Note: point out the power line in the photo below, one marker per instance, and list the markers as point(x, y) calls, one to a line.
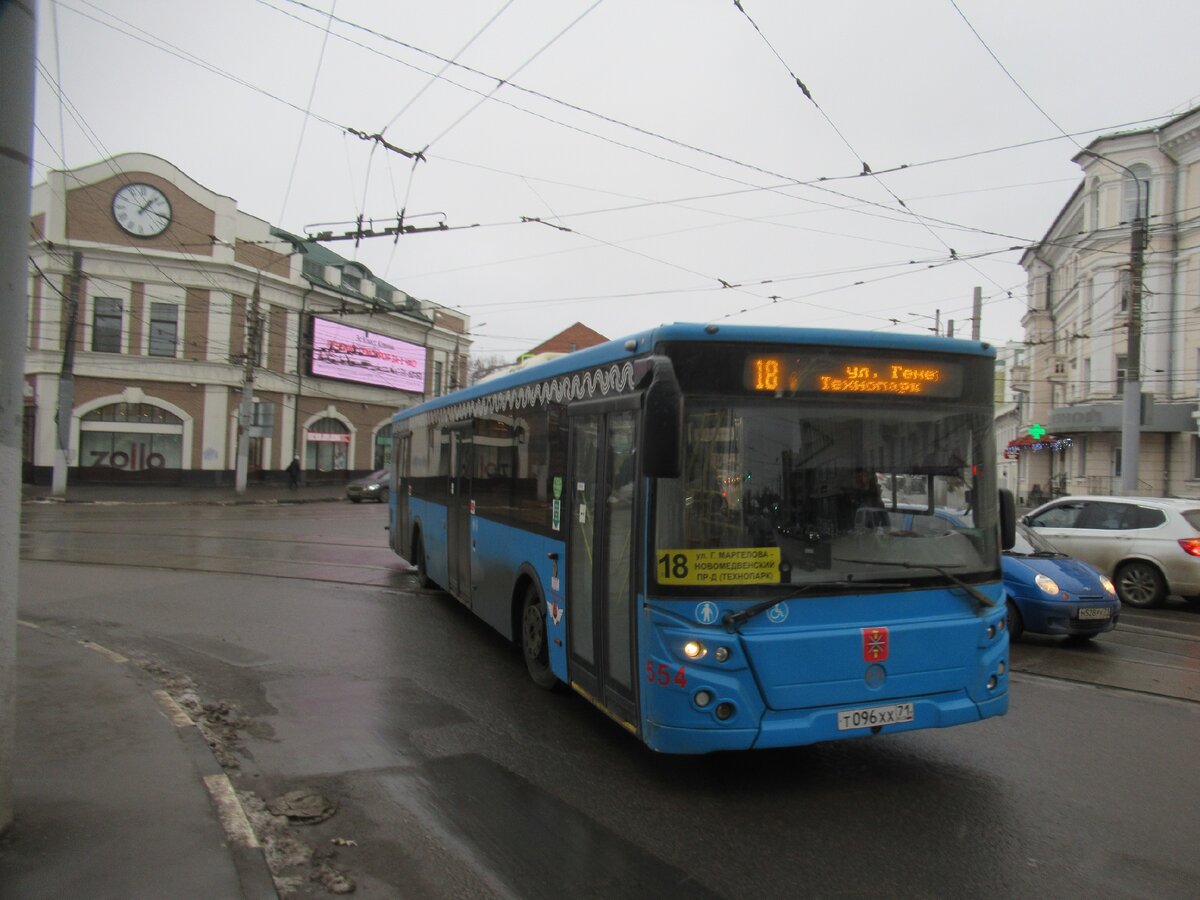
point(312, 92)
point(1009, 75)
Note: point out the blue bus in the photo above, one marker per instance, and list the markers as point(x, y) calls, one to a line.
point(690, 527)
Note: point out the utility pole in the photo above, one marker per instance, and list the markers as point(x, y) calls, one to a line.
point(66, 382)
point(246, 410)
point(1131, 414)
point(17, 26)
point(977, 314)
point(1131, 411)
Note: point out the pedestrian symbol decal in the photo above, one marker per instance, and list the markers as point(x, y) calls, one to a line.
point(707, 612)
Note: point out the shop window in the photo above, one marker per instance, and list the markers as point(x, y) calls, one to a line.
point(328, 445)
point(106, 325)
point(383, 450)
point(144, 413)
point(130, 451)
point(164, 328)
point(156, 444)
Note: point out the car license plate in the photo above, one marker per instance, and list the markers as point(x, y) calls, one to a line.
point(1094, 612)
point(874, 716)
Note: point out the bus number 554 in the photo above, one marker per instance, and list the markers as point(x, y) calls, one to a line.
point(661, 674)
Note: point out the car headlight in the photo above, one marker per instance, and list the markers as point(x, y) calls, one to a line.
point(1108, 586)
point(1046, 583)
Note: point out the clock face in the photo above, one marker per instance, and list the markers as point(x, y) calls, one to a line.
point(141, 210)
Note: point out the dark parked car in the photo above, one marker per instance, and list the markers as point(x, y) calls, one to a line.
point(372, 487)
point(1052, 593)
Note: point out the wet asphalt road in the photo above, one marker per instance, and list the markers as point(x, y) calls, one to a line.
point(455, 777)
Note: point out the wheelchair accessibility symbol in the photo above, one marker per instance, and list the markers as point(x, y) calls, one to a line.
point(778, 613)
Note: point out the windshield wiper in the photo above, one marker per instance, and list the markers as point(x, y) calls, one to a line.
point(979, 596)
point(732, 620)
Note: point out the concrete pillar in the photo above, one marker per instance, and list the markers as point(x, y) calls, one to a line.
point(17, 22)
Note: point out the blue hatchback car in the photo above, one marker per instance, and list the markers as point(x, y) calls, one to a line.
point(1052, 593)
point(1048, 592)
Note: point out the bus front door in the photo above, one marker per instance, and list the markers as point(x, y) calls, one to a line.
point(458, 516)
point(600, 554)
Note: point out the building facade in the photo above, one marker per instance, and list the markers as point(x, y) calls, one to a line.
point(1081, 308)
point(181, 325)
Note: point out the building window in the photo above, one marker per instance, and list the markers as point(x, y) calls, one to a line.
point(1123, 290)
point(383, 293)
point(1134, 190)
point(164, 328)
point(351, 282)
point(1122, 362)
point(437, 379)
point(1081, 447)
point(1094, 204)
point(1086, 300)
point(106, 325)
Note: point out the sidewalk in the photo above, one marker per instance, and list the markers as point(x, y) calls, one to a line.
point(152, 493)
point(111, 797)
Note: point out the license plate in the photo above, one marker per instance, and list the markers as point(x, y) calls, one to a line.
point(874, 716)
point(1094, 612)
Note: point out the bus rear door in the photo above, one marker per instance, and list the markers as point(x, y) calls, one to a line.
point(459, 514)
point(600, 555)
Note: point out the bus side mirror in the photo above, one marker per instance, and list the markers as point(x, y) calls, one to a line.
point(1008, 519)
point(662, 423)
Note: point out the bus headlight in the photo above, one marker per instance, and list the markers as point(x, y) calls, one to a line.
point(694, 650)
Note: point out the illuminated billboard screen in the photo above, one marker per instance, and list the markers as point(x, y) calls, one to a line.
point(353, 354)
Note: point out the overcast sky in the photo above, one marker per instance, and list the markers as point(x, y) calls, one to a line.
point(679, 171)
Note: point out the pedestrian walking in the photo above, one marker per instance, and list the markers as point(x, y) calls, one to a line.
point(293, 471)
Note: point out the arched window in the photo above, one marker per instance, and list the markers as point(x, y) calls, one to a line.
point(132, 437)
point(328, 446)
point(1133, 191)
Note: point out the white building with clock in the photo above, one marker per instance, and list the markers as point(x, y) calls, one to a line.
point(184, 300)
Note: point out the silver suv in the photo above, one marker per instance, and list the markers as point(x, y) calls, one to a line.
point(1149, 546)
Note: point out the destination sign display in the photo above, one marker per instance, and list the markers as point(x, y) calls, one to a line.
point(851, 373)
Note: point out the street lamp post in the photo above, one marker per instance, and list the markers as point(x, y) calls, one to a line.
point(1131, 413)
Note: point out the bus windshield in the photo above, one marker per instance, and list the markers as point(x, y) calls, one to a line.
point(776, 492)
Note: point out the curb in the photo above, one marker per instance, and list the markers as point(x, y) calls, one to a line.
point(254, 875)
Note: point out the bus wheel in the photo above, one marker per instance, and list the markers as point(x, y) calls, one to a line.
point(423, 579)
point(534, 645)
